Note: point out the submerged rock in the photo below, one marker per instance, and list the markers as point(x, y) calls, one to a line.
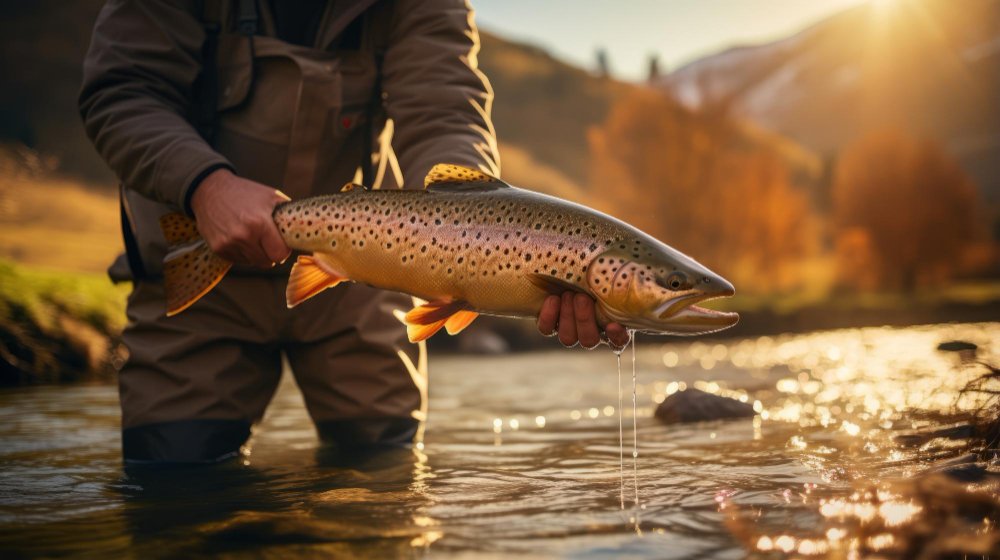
point(694, 405)
point(957, 346)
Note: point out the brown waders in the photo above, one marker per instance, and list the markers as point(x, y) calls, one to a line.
point(292, 117)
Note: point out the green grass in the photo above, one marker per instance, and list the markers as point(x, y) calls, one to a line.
point(38, 295)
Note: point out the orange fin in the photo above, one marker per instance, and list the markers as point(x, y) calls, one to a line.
point(425, 320)
point(309, 277)
point(178, 229)
point(451, 173)
point(461, 319)
point(189, 273)
point(419, 333)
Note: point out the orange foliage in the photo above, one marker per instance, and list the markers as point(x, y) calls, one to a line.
point(692, 181)
point(914, 205)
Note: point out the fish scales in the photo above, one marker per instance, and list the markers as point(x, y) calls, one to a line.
point(469, 244)
point(477, 247)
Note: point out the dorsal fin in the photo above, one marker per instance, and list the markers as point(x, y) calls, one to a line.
point(351, 186)
point(443, 173)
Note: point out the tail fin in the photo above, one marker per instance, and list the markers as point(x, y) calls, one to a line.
point(190, 269)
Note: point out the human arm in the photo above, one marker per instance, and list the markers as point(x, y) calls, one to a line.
point(441, 105)
point(136, 103)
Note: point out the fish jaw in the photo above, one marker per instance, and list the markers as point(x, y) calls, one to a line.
point(692, 319)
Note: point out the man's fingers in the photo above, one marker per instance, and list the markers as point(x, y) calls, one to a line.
point(273, 245)
point(567, 321)
point(617, 335)
point(548, 317)
point(586, 324)
point(256, 256)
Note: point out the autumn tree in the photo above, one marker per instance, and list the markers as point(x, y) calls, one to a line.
point(694, 182)
point(903, 212)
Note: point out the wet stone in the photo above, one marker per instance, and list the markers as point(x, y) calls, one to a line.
point(957, 346)
point(694, 405)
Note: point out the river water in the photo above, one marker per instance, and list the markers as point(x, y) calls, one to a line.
point(521, 457)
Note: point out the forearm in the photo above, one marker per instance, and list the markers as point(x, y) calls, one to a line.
point(136, 97)
point(435, 93)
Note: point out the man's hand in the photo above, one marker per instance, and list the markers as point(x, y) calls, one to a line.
point(572, 316)
point(234, 217)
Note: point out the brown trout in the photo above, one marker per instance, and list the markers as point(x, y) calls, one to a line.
point(469, 244)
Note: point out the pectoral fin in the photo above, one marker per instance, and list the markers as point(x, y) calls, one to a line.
point(309, 277)
point(552, 285)
point(423, 321)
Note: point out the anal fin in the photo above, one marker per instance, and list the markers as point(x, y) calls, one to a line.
point(309, 277)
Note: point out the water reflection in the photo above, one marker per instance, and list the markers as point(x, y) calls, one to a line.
point(521, 456)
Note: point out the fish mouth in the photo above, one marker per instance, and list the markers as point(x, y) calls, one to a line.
point(683, 314)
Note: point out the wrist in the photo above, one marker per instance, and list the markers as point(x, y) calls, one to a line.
point(202, 190)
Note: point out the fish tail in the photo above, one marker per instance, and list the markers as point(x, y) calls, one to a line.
point(190, 269)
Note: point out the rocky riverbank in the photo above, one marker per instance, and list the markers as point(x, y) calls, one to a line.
point(57, 326)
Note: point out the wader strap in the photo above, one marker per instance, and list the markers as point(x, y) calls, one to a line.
point(379, 23)
point(374, 103)
point(131, 245)
point(207, 94)
point(247, 18)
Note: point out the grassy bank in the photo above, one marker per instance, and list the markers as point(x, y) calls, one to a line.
point(57, 326)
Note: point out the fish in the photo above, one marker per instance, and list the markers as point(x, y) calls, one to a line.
point(469, 244)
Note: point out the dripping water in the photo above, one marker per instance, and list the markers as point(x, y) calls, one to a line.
point(635, 425)
point(621, 438)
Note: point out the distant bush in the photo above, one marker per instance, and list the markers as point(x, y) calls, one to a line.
point(904, 214)
point(695, 182)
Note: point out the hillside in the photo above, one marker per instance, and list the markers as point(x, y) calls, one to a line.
point(542, 111)
point(930, 67)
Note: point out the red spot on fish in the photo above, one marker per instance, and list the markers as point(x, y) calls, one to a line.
point(346, 121)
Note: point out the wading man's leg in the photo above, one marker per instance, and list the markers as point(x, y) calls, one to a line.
point(195, 383)
point(359, 375)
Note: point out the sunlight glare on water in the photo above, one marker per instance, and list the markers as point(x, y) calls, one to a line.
point(519, 459)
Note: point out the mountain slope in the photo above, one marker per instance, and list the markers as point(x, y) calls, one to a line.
point(930, 67)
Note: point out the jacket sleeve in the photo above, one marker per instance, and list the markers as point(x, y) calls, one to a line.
point(136, 96)
point(438, 99)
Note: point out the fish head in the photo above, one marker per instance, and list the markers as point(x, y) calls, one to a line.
point(657, 291)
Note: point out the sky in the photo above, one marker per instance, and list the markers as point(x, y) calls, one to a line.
point(678, 31)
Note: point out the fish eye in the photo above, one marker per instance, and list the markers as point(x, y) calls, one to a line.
point(676, 281)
